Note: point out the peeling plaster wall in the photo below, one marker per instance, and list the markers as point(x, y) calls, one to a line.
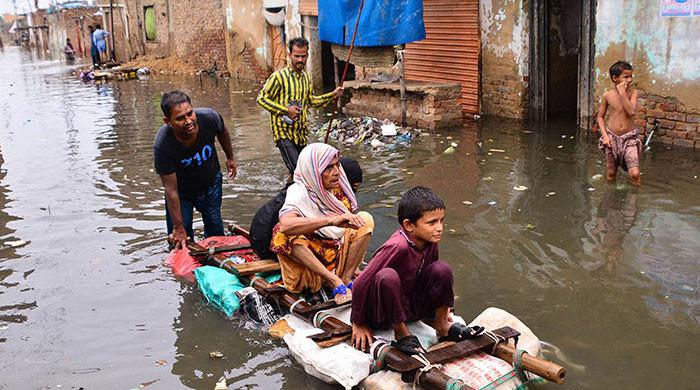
point(248, 46)
point(505, 57)
point(664, 51)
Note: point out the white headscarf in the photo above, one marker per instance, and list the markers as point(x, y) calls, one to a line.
point(309, 198)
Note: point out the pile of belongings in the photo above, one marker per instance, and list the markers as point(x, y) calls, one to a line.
point(368, 130)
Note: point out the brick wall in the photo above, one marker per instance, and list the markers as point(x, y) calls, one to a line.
point(428, 106)
point(677, 125)
point(137, 36)
point(199, 28)
point(503, 91)
point(504, 57)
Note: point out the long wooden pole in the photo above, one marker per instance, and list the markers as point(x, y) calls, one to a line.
point(546, 369)
point(347, 64)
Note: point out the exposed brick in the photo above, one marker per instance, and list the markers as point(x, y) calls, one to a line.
point(640, 122)
point(686, 126)
point(678, 134)
point(656, 114)
point(684, 142)
point(667, 124)
point(666, 140)
point(676, 116)
point(693, 118)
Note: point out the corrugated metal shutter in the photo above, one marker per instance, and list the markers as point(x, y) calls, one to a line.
point(308, 7)
point(450, 52)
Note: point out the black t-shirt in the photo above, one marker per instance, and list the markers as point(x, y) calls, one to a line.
point(196, 167)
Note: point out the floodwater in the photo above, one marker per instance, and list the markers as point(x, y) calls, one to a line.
point(605, 273)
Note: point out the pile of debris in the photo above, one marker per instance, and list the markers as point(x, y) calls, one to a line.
point(368, 130)
point(163, 65)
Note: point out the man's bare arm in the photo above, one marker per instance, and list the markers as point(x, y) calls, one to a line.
point(225, 140)
point(179, 236)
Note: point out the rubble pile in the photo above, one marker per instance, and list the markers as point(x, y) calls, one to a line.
point(368, 130)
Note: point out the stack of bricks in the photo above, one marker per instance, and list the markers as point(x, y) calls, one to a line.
point(428, 105)
point(678, 126)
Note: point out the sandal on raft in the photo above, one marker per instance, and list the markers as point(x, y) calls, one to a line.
point(410, 345)
point(459, 332)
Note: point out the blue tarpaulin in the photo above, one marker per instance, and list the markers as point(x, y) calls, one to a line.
point(383, 22)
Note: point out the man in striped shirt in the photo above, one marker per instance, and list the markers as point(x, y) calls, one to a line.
point(287, 95)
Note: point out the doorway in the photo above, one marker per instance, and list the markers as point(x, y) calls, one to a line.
point(561, 60)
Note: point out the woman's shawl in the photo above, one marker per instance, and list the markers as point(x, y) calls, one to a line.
point(308, 198)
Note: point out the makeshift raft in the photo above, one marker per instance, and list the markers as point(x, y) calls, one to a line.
point(507, 356)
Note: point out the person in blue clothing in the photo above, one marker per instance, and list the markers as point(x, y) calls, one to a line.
point(94, 54)
point(184, 155)
point(99, 37)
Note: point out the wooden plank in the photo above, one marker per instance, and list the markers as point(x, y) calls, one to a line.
point(254, 267)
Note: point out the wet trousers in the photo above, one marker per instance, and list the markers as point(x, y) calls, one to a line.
point(290, 154)
point(208, 204)
point(388, 305)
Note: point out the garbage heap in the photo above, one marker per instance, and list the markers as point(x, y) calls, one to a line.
point(369, 131)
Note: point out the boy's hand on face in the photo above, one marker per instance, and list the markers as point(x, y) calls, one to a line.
point(361, 337)
point(622, 87)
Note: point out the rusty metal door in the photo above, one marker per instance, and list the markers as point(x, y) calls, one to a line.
point(450, 52)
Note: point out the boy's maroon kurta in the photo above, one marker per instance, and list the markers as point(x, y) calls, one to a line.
point(401, 283)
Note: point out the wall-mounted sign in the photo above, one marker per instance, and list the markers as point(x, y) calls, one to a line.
point(678, 7)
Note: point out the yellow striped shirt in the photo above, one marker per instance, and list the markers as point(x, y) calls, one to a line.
point(280, 89)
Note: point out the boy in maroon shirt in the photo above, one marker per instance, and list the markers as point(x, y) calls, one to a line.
point(405, 280)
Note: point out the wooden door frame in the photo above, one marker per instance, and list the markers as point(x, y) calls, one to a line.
point(537, 86)
point(586, 74)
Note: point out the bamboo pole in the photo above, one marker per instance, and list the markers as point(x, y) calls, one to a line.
point(347, 64)
point(546, 369)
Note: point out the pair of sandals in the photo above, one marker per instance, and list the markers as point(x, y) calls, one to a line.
point(410, 345)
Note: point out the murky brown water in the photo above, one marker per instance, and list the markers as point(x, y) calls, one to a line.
point(607, 273)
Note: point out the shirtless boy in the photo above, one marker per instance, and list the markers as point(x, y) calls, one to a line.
point(406, 281)
point(620, 139)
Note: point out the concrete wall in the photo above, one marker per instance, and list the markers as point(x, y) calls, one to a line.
point(504, 57)
point(664, 53)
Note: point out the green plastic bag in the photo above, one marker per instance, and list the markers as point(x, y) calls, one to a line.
point(219, 287)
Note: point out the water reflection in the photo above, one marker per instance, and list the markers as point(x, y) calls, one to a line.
point(615, 217)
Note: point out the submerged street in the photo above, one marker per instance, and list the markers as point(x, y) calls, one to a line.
point(606, 274)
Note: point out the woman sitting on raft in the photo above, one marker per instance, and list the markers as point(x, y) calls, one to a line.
point(319, 239)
